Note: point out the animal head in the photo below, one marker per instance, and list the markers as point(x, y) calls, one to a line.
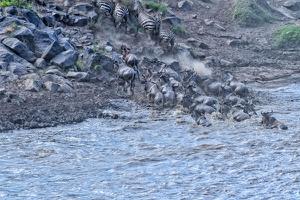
point(125, 50)
point(267, 114)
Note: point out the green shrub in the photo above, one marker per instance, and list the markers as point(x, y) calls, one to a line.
point(156, 6)
point(18, 3)
point(287, 36)
point(249, 13)
point(179, 30)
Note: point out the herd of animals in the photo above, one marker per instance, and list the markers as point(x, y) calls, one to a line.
point(168, 86)
point(150, 23)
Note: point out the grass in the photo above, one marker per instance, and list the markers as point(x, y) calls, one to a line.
point(156, 6)
point(248, 13)
point(287, 36)
point(18, 3)
point(179, 30)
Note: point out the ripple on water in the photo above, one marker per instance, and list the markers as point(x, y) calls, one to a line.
point(142, 157)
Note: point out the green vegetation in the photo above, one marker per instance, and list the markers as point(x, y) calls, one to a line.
point(287, 36)
point(79, 65)
point(127, 3)
point(249, 13)
point(179, 30)
point(156, 6)
point(18, 3)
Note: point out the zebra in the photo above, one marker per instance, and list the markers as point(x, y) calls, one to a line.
point(167, 39)
point(106, 7)
point(120, 15)
point(149, 23)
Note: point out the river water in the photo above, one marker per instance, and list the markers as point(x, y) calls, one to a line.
point(143, 155)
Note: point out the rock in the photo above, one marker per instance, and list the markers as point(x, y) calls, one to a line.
point(197, 54)
point(57, 87)
point(194, 16)
point(79, 76)
point(66, 44)
point(236, 43)
point(172, 20)
point(75, 20)
point(8, 56)
point(33, 18)
point(19, 48)
point(55, 72)
point(11, 10)
point(54, 83)
point(240, 116)
point(108, 48)
point(17, 68)
point(52, 50)
point(33, 85)
point(185, 5)
point(202, 45)
point(49, 20)
point(5, 55)
point(84, 9)
point(226, 63)
point(51, 87)
point(25, 35)
point(3, 65)
point(40, 63)
point(91, 60)
point(65, 59)
point(293, 5)
point(43, 39)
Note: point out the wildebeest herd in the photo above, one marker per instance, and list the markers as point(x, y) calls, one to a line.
point(168, 85)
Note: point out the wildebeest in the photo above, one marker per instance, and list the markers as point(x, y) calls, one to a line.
point(271, 122)
point(127, 74)
point(130, 58)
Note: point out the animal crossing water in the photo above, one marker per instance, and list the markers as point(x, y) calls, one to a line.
point(146, 155)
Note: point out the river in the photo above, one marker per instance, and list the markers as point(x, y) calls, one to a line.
point(144, 155)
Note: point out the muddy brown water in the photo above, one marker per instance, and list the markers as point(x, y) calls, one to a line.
point(146, 155)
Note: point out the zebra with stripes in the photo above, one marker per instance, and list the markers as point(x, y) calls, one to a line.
point(120, 15)
point(106, 7)
point(151, 24)
point(167, 39)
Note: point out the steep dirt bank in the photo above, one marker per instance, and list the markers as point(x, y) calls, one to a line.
point(211, 36)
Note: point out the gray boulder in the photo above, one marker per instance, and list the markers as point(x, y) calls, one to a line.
point(293, 5)
point(52, 50)
point(84, 9)
point(185, 5)
point(40, 63)
point(79, 76)
point(32, 17)
point(54, 71)
point(33, 85)
point(75, 20)
point(43, 39)
point(8, 56)
point(17, 69)
point(57, 87)
point(240, 116)
point(65, 59)
point(19, 48)
point(55, 83)
point(25, 35)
